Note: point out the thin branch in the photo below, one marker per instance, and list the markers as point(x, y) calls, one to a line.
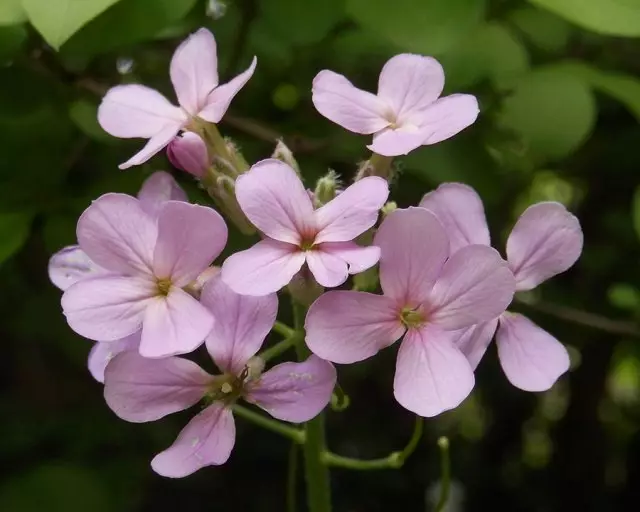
point(445, 474)
point(295, 434)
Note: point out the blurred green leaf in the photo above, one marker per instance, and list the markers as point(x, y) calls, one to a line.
point(12, 37)
point(428, 26)
point(58, 20)
point(84, 114)
point(613, 17)
point(635, 213)
point(543, 28)
point(11, 12)
point(624, 296)
point(14, 231)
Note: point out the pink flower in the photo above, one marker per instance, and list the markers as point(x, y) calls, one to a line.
point(274, 199)
point(546, 241)
point(406, 113)
point(138, 389)
point(427, 294)
point(189, 153)
point(147, 260)
point(129, 111)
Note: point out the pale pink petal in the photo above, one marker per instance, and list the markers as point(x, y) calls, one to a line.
point(190, 237)
point(413, 248)
point(460, 210)
point(353, 211)
point(194, 70)
point(157, 189)
point(346, 326)
point(207, 440)
point(409, 83)
point(242, 322)
point(274, 199)
point(475, 286)
point(107, 308)
point(155, 144)
point(396, 142)
point(117, 234)
point(328, 269)
point(531, 358)
point(545, 241)
point(104, 351)
point(432, 375)
point(188, 152)
point(139, 389)
point(340, 101)
point(294, 392)
point(175, 324)
point(473, 341)
point(448, 116)
point(263, 269)
point(70, 265)
point(357, 257)
point(133, 110)
point(220, 98)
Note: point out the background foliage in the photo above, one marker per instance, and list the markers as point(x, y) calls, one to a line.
point(560, 95)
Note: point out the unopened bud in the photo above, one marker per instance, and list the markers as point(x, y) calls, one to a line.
point(326, 188)
point(284, 154)
point(389, 207)
point(188, 152)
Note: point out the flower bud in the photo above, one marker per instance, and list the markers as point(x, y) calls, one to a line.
point(188, 152)
point(389, 207)
point(326, 188)
point(284, 154)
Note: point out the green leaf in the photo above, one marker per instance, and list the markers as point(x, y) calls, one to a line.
point(635, 213)
point(543, 28)
point(14, 231)
point(553, 110)
point(427, 26)
point(12, 37)
point(11, 12)
point(612, 17)
point(58, 20)
point(84, 114)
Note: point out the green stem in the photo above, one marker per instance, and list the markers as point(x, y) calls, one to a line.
point(283, 329)
point(295, 434)
point(377, 165)
point(445, 470)
point(218, 147)
point(279, 347)
point(292, 472)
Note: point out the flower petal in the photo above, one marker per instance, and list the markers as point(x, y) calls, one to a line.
point(207, 440)
point(190, 237)
point(156, 190)
point(155, 144)
point(413, 248)
point(242, 322)
point(70, 265)
point(432, 375)
point(351, 212)
point(274, 199)
point(220, 98)
point(134, 110)
point(460, 210)
point(340, 101)
point(295, 392)
point(531, 358)
point(117, 234)
point(396, 142)
point(139, 389)
point(475, 285)
point(546, 241)
point(346, 326)
point(194, 70)
point(328, 269)
point(357, 257)
point(188, 152)
point(474, 341)
point(175, 324)
point(107, 308)
point(448, 116)
point(104, 351)
point(263, 269)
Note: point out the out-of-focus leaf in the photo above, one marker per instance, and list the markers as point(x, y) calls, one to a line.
point(275, 51)
point(11, 12)
point(12, 37)
point(428, 26)
point(613, 17)
point(636, 211)
point(14, 231)
point(84, 114)
point(360, 49)
point(543, 28)
point(58, 20)
point(624, 296)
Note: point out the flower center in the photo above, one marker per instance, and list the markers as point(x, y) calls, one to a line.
point(412, 317)
point(307, 243)
point(164, 285)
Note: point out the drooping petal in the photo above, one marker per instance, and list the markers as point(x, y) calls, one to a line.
point(294, 392)
point(357, 257)
point(546, 241)
point(175, 324)
point(188, 152)
point(70, 265)
point(340, 101)
point(328, 269)
point(460, 210)
point(448, 116)
point(207, 440)
point(104, 351)
point(263, 269)
point(474, 341)
point(220, 98)
point(242, 322)
point(475, 286)
point(157, 189)
point(133, 110)
point(117, 234)
point(432, 374)
point(274, 199)
point(346, 326)
point(194, 70)
point(409, 83)
point(396, 142)
point(413, 248)
point(351, 212)
point(155, 144)
point(139, 389)
point(189, 238)
point(107, 308)
point(531, 358)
